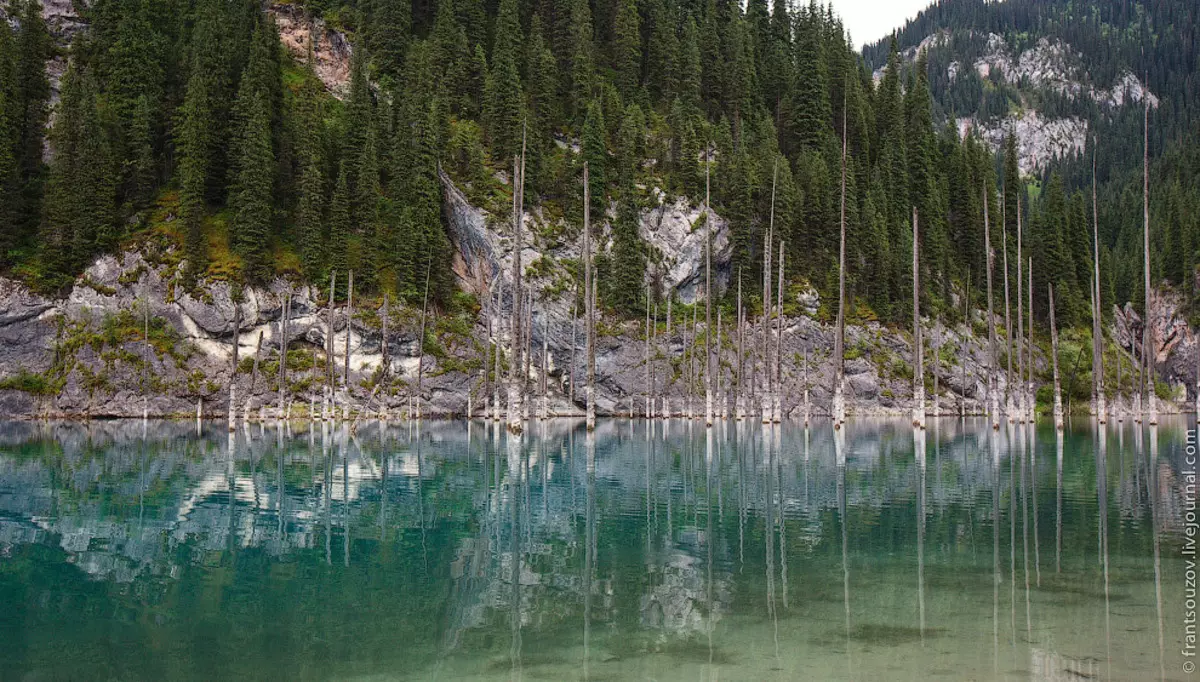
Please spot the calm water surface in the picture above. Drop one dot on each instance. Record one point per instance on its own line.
(647, 552)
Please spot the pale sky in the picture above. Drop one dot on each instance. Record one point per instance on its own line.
(870, 20)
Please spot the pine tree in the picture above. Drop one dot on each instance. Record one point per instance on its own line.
(30, 98)
(809, 109)
(627, 49)
(251, 195)
(504, 95)
(339, 228)
(389, 33)
(595, 153)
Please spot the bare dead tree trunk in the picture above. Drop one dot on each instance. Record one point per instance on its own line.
(765, 352)
(666, 401)
(574, 343)
(1021, 393)
(254, 371)
(515, 382)
(349, 331)
(1148, 343)
(545, 367)
(937, 365)
(962, 399)
(383, 357)
(590, 304)
(649, 398)
(994, 408)
(708, 360)
(1058, 406)
(496, 361)
(233, 371)
(1100, 408)
(839, 349)
(739, 390)
(330, 360)
(283, 344)
(720, 378)
(918, 350)
(1029, 348)
(421, 342)
(776, 406)
(1008, 327)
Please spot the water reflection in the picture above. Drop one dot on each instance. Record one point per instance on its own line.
(644, 550)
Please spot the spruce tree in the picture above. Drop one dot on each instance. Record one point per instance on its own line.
(595, 153)
(251, 195)
(627, 48)
(339, 228)
(504, 95)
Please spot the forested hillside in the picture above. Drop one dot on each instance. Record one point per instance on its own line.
(1077, 70)
(185, 122)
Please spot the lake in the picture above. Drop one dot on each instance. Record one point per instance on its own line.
(647, 551)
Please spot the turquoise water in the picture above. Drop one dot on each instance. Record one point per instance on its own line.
(649, 551)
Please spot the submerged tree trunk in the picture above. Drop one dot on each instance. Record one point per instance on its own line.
(1009, 412)
(386, 364)
(330, 359)
(993, 407)
(1029, 387)
(421, 343)
(1147, 337)
(666, 401)
(765, 386)
(838, 408)
(1100, 406)
(1058, 407)
(1022, 394)
(283, 344)
(918, 349)
(776, 407)
(708, 358)
(237, 327)
(739, 401)
(516, 383)
(349, 331)
(589, 304)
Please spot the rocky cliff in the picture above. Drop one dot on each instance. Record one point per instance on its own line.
(89, 354)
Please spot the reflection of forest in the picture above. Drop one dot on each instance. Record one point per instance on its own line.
(534, 528)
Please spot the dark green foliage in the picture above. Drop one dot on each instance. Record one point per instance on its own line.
(198, 101)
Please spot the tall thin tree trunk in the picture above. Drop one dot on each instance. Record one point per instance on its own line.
(776, 403)
(807, 407)
(574, 343)
(918, 346)
(993, 407)
(839, 344)
(1029, 389)
(1008, 327)
(386, 365)
(666, 401)
(349, 331)
(515, 382)
(237, 327)
(1100, 408)
(708, 360)
(496, 369)
(739, 391)
(937, 365)
(1058, 406)
(649, 398)
(254, 370)
(1148, 342)
(765, 352)
(330, 359)
(545, 367)
(283, 344)
(421, 341)
(590, 304)
(962, 399)
(1022, 397)
(1117, 400)
(719, 380)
